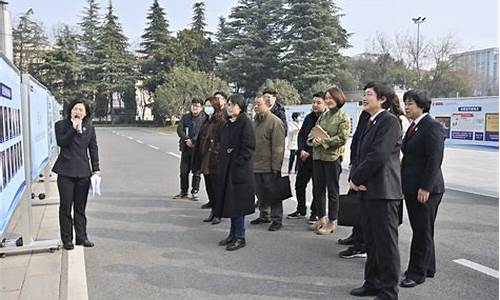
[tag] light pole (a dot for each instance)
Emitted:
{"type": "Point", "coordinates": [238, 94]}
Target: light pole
{"type": "Point", "coordinates": [418, 21]}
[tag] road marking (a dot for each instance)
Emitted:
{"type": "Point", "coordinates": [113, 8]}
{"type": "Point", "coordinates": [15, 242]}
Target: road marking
{"type": "Point", "coordinates": [130, 138]}
{"type": "Point", "coordinates": [174, 154]}
{"type": "Point", "coordinates": [154, 147]}
{"type": "Point", "coordinates": [77, 277]}
{"type": "Point", "coordinates": [477, 267]}
{"type": "Point", "coordinates": [139, 141]}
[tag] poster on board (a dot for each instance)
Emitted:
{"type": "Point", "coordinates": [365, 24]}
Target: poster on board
{"type": "Point", "coordinates": [12, 177]}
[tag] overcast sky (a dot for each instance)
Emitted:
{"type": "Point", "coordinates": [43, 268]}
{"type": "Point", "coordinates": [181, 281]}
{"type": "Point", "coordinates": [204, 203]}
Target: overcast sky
{"type": "Point", "coordinates": [473, 23]}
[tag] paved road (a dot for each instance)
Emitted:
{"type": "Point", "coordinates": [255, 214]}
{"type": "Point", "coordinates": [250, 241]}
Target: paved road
{"type": "Point", "coordinates": [149, 246]}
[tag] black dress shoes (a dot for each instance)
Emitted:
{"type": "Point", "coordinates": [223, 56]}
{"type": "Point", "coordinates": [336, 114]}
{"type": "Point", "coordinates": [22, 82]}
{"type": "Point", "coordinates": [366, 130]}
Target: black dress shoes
{"type": "Point", "coordinates": [275, 226]}
{"type": "Point", "coordinates": [347, 241]}
{"type": "Point", "coordinates": [68, 246]}
{"type": "Point", "coordinates": [236, 244]}
{"type": "Point", "coordinates": [409, 283]}
{"type": "Point", "coordinates": [215, 221]}
{"type": "Point", "coordinates": [209, 219]}
{"type": "Point", "coordinates": [259, 221]}
{"type": "Point", "coordinates": [85, 243]}
{"type": "Point", "coordinates": [226, 241]}
{"type": "Point", "coordinates": [364, 291]}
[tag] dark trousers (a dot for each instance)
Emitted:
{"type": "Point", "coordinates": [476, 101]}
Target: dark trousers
{"type": "Point", "coordinates": [211, 187]}
{"type": "Point", "coordinates": [268, 210]}
{"type": "Point", "coordinates": [304, 175]}
{"type": "Point", "coordinates": [422, 217]}
{"type": "Point", "coordinates": [238, 227]}
{"type": "Point", "coordinates": [380, 226]}
{"type": "Point", "coordinates": [291, 159]}
{"type": "Point", "coordinates": [326, 178]}
{"type": "Point", "coordinates": [358, 237]}
{"type": "Point", "coordinates": [186, 168]}
{"type": "Point", "coordinates": [73, 192]}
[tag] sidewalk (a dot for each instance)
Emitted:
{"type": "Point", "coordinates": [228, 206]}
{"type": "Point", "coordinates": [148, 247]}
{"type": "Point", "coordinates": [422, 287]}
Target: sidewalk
{"type": "Point", "coordinates": [44, 275]}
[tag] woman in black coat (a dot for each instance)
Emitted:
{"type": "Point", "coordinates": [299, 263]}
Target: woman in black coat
{"type": "Point", "coordinates": [235, 169]}
{"type": "Point", "coordinates": [423, 184]}
{"type": "Point", "coordinates": [76, 137]}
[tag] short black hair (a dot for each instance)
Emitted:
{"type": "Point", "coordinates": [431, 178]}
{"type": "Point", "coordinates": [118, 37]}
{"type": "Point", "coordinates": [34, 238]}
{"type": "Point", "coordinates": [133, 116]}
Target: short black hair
{"type": "Point", "coordinates": [270, 92]}
{"type": "Point", "coordinates": [295, 115]}
{"type": "Point", "coordinates": [221, 93]}
{"type": "Point", "coordinates": [420, 97]}
{"type": "Point", "coordinates": [239, 100]}
{"type": "Point", "coordinates": [72, 104]}
{"type": "Point", "coordinates": [319, 95]}
{"type": "Point", "coordinates": [197, 101]}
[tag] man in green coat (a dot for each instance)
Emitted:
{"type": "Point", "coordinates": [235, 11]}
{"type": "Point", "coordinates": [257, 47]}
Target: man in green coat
{"type": "Point", "coordinates": [269, 152]}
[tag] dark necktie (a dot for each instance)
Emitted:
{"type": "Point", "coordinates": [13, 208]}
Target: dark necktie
{"type": "Point", "coordinates": [411, 129]}
{"type": "Point", "coordinates": [370, 123]}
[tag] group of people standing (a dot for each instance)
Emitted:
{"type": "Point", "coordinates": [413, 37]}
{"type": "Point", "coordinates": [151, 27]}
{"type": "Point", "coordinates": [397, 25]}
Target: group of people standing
{"type": "Point", "coordinates": [241, 158]}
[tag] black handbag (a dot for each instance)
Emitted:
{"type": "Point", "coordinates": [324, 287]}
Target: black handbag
{"type": "Point", "coordinates": [349, 209]}
{"type": "Point", "coordinates": [278, 189]}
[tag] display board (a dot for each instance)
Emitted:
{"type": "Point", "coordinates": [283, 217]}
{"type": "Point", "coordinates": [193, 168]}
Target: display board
{"type": "Point", "coordinates": [12, 177]}
{"type": "Point", "coordinates": [468, 121]}
{"type": "Point", "coordinates": [39, 126]}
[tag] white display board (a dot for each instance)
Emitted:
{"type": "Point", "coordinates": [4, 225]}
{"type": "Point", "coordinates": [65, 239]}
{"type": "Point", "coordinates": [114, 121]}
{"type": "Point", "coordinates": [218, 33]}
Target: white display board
{"type": "Point", "coordinates": [39, 120]}
{"type": "Point", "coordinates": [468, 121]}
{"type": "Point", "coordinates": [12, 177]}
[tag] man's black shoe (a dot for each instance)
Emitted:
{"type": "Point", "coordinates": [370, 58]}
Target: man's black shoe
{"type": "Point", "coordinates": [206, 206]}
{"type": "Point", "coordinates": [352, 252]}
{"type": "Point", "coordinates": [364, 291]}
{"type": "Point", "coordinates": [181, 195]}
{"type": "Point", "coordinates": [347, 241]}
{"type": "Point", "coordinates": [215, 221]}
{"type": "Point", "coordinates": [296, 215]}
{"type": "Point", "coordinates": [236, 244]}
{"type": "Point", "coordinates": [69, 246]}
{"type": "Point", "coordinates": [409, 283]}
{"type": "Point", "coordinates": [85, 243]}
{"type": "Point", "coordinates": [210, 218]}
{"type": "Point", "coordinates": [259, 221]}
{"type": "Point", "coordinates": [275, 226]}
{"type": "Point", "coordinates": [226, 241]}
{"type": "Point", "coordinates": [312, 219]}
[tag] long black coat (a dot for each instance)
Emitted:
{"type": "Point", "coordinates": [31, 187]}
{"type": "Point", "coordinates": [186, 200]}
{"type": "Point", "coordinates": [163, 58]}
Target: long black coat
{"type": "Point", "coordinates": [422, 158]}
{"type": "Point", "coordinates": [377, 159]}
{"type": "Point", "coordinates": [235, 196]}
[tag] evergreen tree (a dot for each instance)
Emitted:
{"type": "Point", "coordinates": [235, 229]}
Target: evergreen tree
{"type": "Point", "coordinates": [199, 22]}
{"type": "Point", "coordinates": [158, 52]}
{"type": "Point", "coordinates": [90, 31]}
{"type": "Point", "coordinates": [313, 39]}
{"type": "Point", "coordinates": [30, 44]}
{"type": "Point", "coordinates": [62, 67]}
{"type": "Point", "coordinates": [253, 33]}
{"type": "Point", "coordinates": [117, 64]}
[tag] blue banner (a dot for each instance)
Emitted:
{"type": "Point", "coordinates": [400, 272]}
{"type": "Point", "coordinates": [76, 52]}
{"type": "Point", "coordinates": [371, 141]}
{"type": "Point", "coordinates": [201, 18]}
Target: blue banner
{"type": "Point", "coordinates": [12, 177]}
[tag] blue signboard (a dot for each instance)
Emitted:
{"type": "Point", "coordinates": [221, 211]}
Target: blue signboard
{"type": "Point", "coordinates": [12, 177]}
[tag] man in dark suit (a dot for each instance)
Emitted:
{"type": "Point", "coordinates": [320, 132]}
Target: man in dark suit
{"type": "Point", "coordinates": [423, 184]}
{"type": "Point", "coordinates": [377, 176]}
{"type": "Point", "coordinates": [305, 163]}
{"type": "Point", "coordinates": [356, 239]}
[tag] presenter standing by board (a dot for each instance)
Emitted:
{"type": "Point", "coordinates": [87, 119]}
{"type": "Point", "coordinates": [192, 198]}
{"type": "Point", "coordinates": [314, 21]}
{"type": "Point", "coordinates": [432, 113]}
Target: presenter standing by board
{"type": "Point", "coordinates": [76, 137]}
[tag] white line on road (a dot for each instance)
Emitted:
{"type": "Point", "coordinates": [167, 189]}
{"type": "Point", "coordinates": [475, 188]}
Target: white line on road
{"type": "Point", "coordinates": [154, 147]}
{"type": "Point", "coordinates": [130, 138]}
{"type": "Point", "coordinates": [139, 141]}
{"type": "Point", "coordinates": [477, 267]}
{"type": "Point", "coordinates": [174, 154]}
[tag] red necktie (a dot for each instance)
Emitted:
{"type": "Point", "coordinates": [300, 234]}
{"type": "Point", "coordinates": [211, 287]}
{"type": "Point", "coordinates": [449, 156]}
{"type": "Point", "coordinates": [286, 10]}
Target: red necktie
{"type": "Point", "coordinates": [411, 129]}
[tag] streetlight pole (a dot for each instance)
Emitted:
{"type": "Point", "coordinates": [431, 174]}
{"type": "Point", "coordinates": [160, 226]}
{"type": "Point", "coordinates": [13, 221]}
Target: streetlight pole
{"type": "Point", "coordinates": [418, 21]}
